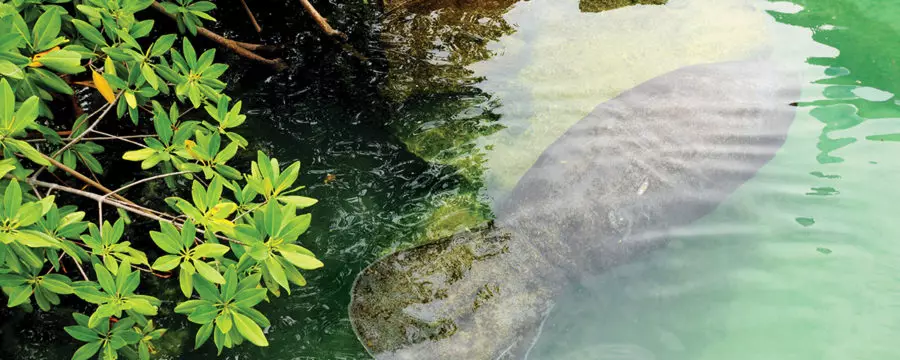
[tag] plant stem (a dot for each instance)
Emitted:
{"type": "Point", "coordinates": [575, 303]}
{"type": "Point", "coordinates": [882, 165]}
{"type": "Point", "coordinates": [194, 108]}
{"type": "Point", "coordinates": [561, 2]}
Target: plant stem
{"type": "Point", "coordinates": [252, 18]}
{"type": "Point", "coordinates": [323, 23]}
{"type": "Point", "coordinates": [242, 49]}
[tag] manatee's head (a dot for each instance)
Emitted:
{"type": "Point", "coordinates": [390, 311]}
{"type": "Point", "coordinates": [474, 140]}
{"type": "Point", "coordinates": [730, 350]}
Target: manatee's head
{"type": "Point", "coordinates": [465, 297]}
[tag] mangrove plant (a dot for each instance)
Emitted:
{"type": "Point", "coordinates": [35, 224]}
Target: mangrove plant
{"type": "Point", "coordinates": [229, 242]}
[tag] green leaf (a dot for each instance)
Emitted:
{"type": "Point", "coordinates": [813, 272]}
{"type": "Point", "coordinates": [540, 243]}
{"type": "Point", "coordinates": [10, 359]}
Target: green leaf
{"type": "Point", "coordinates": [12, 199]}
{"type": "Point", "coordinates": [302, 261]}
{"type": "Point", "coordinates": [162, 44]}
{"type": "Point", "coordinates": [299, 201]}
{"type": "Point", "coordinates": [208, 272]}
{"type": "Point", "coordinates": [189, 306]}
{"type": "Point", "coordinates": [210, 250]}
{"type": "Point", "coordinates": [138, 155]}
{"type": "Point", "coordinates": [203, 314]}
{"type": "Point", "coordinates": [26, 114]}
{"type": "Point", "coordinates": [102, 313]}
{"type": "Point", "coordinates": [91, 295]}
{"type": "Point", "coordinates": [166, 262]}
{"type": "Point", "coordinates": [277, 272]}
{"type": "Point", "coordinates": [56, 284]}
{"type": "Point", "coordinates": [202, 335]}
{"type": "Point", "coordinates": [248, 298]}
{"type": "Point", "coordinates": [19, 295]}
{"type": "Point", "coordinates": [223, 322]}
{"type": "Point", "coordinates": [185, 277]}
{"type": "Point", "coordinates": [249, 330]}
{"type": "Point", "coordinates": [11, 70]}
{"type": "Point", "coordinates": [189, 54]}
{"type": "Point", "coordinates": [50, 81]}
{"type": "Point", "coordinates": [26, 150]}
{"type": "Point", "coordinates": [45, 30]}
{"type": "Point", "coordinates": [142, 307]}
{"type": "Point", "coordinates": [105, 278]}
{"type": "Point", "coordinates": [64, 61]}
{"type": "Point", "coordinates": [7, 103]}
{"type": "Point", "coordinates": [166, 242]}
{"type": "Point", "coordinates": [89, 32]}
{"type": "Point", "coordinates": [82, 333]}
{"type": "Point", "coordinates": [11, 280]}
{"type": "Point", "coordinates": [150, 76]}
{"type": "Point", "coordinates": [188, 232]}
{"type": "Point", "coordinates": [86, 351]}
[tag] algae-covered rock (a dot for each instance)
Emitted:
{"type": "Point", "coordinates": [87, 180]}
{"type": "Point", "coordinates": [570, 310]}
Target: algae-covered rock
{"type": "Point", "coordinates": [604, 5]}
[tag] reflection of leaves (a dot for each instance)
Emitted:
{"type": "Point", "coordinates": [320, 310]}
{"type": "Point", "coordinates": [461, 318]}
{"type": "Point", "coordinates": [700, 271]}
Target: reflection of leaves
{"type": "Point", "coordinates": [431, 46]}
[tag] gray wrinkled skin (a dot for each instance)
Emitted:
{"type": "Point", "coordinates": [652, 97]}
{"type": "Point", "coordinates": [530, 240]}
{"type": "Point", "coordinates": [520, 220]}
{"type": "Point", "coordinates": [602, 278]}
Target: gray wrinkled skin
{"type": "Point", "coordinates": [657, 157]}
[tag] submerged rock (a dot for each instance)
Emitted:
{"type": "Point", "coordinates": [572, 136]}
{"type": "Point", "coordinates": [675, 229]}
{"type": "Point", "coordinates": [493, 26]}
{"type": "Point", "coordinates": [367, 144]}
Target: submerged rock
{"type": "Point", "coordinates": [655, 158]}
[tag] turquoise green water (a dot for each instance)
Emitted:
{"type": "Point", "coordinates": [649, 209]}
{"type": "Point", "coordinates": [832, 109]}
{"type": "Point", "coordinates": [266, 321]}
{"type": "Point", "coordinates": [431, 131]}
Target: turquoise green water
{"type": "Point", "coordinates": [800, 263]}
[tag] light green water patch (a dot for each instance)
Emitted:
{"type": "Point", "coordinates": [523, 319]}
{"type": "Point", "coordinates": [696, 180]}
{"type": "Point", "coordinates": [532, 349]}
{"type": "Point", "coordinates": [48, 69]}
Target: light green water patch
{"type": "Point", "coordinates": [800, 263]}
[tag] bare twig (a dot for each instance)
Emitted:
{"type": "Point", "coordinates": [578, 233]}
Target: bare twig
{"type": "Point", "coordinates": [252, 18]}
{"type": "Point", "coordinates": [242, 49]}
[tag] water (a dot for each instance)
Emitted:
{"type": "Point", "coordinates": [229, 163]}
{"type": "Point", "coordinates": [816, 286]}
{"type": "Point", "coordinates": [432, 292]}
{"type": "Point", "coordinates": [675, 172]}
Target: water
{"type": "Point", "coordinates": [458, 99]}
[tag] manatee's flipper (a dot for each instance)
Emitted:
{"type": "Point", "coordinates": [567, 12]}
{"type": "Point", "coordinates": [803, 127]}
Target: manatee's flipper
{"type": "Point", "coordinates": [470, 287]}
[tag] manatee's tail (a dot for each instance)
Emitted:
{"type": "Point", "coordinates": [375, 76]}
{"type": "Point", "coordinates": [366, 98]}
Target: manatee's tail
{"type": "Point", "coordinates": [471, 296]}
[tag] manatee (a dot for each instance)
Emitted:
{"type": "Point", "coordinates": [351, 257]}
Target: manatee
{"type": "Point", "coordinates": [613, 187]}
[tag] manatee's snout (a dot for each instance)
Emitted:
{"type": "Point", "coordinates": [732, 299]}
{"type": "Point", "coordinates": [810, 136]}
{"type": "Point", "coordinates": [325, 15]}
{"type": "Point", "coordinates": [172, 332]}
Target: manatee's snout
{"type": "Point", "coordinates": [459, 298]}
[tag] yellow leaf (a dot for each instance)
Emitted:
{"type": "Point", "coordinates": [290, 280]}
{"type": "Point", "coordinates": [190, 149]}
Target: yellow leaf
{"type": "Point", "coordinates": [103, 87]}
{"type": "Point", "coordinates": [138, 155]}
{"type": "Point", "coordinates": [222, 210]}
{"type": "Point", "coordinates": [189, 146]}
{"type": "Point", "coordinates": [34, 59]}
{"type": "Point", "coordinates": [130, 99]}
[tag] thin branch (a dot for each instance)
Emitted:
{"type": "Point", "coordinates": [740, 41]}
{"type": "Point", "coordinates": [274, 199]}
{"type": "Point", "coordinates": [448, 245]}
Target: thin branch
{"type": "Point", "coordinates": [80, 269]}
{"type": "Point", "coordinates": [252, 18]}
{"type": "Point", "coordinates": [133, 208]}
{"type": "Point", "coordinates": [102, 138]}
{"type": "Point", "coordinates": [146, 180]}
{"type": "Point", "coordinates": [242, 49]}
{"type": "Point", "coordinates": [83, 178]}
{"type": "Point", "coordinates": [105, 108]}
{"type": "Point", "coordinates": [124, 138]}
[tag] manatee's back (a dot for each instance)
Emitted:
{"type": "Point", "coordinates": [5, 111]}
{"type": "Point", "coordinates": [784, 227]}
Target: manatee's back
{"type": "Point", "coordinates": [655, 158]}
{"type": "Point", "coordinates": [659, 156]}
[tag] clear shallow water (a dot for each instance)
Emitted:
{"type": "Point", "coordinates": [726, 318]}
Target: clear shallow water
{"type": "Point", "coordinates": [458, 101]}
